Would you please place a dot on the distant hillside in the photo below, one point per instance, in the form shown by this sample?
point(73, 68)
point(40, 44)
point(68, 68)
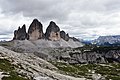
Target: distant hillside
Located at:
point(107, 40)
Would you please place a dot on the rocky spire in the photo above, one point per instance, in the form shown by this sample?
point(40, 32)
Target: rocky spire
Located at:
point(64, 36)
point(35, 30)
point(52, 32)
point(20, 34)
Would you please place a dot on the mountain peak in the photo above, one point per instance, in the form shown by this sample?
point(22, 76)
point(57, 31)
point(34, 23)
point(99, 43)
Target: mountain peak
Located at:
point(53, 32)
point(52, 23)
point(20, 34)
point(35, 20)
point(35, 32)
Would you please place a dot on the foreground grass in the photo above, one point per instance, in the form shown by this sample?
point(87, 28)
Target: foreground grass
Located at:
point(9, 69)
point(108, 71)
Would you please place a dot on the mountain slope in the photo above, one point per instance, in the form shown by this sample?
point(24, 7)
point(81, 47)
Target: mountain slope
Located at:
point(32, 66)
point(46, 44)
point(107, 40)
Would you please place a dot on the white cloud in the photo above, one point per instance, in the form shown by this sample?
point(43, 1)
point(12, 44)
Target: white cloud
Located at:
point(10, 23)
point(86, 19)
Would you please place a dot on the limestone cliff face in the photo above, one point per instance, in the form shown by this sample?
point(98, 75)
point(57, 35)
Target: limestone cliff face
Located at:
point(35, 30)
point(64, 36)
point(20, 34)
point(52, 32)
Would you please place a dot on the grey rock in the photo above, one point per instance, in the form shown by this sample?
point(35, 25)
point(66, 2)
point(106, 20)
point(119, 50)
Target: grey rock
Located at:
point(74, 39)
point(20, 34)
point(64, 36)
point(112, 56)
point(107, 40)
point(52, 32)
point(35, 30)
point(87, 57)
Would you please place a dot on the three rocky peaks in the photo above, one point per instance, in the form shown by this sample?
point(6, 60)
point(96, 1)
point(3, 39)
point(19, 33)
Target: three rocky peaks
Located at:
point(35, 32)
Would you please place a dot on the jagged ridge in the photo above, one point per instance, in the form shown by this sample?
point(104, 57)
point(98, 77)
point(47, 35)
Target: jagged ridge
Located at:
point(107, 40)
point(35, 32)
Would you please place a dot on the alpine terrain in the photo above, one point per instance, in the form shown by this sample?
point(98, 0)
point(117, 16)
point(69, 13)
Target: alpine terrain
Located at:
point(54, 55)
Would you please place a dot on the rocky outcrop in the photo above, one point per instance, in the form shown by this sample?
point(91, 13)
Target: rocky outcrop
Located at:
point(73, 56)
point(20, 34)
point(112, 56)
point(87, 57)
point(31, 66)
point(35, 30)
point(64, 36)
point(52, 32)
point(94, 57)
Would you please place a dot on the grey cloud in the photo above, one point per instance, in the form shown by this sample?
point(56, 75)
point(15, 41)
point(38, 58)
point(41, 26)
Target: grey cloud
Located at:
point(95, 5)
point(5, 33)
point(4, 38)
point(42, 9)
point(113, 5)
point(76, 17)
point(56, 9)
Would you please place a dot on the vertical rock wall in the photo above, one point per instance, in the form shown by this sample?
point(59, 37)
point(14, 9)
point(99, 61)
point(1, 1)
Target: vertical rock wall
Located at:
point(20, 34)
point(64, 36)
point(52, 32)
point(35, 30)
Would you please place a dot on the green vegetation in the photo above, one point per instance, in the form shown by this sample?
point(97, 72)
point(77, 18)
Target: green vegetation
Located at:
point(105, 48)
point(94, 48)
point(113, 77)
point(9, 69)
point(109, 71)
point(14, 76)
point(5, 65)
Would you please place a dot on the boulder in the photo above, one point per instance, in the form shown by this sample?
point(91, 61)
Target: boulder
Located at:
point(64, 36)
point(20, 34)
point(35, 30)
point(52, 32)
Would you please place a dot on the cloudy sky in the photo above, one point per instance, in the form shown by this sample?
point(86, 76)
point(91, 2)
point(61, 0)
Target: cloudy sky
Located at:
point(86, 19)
